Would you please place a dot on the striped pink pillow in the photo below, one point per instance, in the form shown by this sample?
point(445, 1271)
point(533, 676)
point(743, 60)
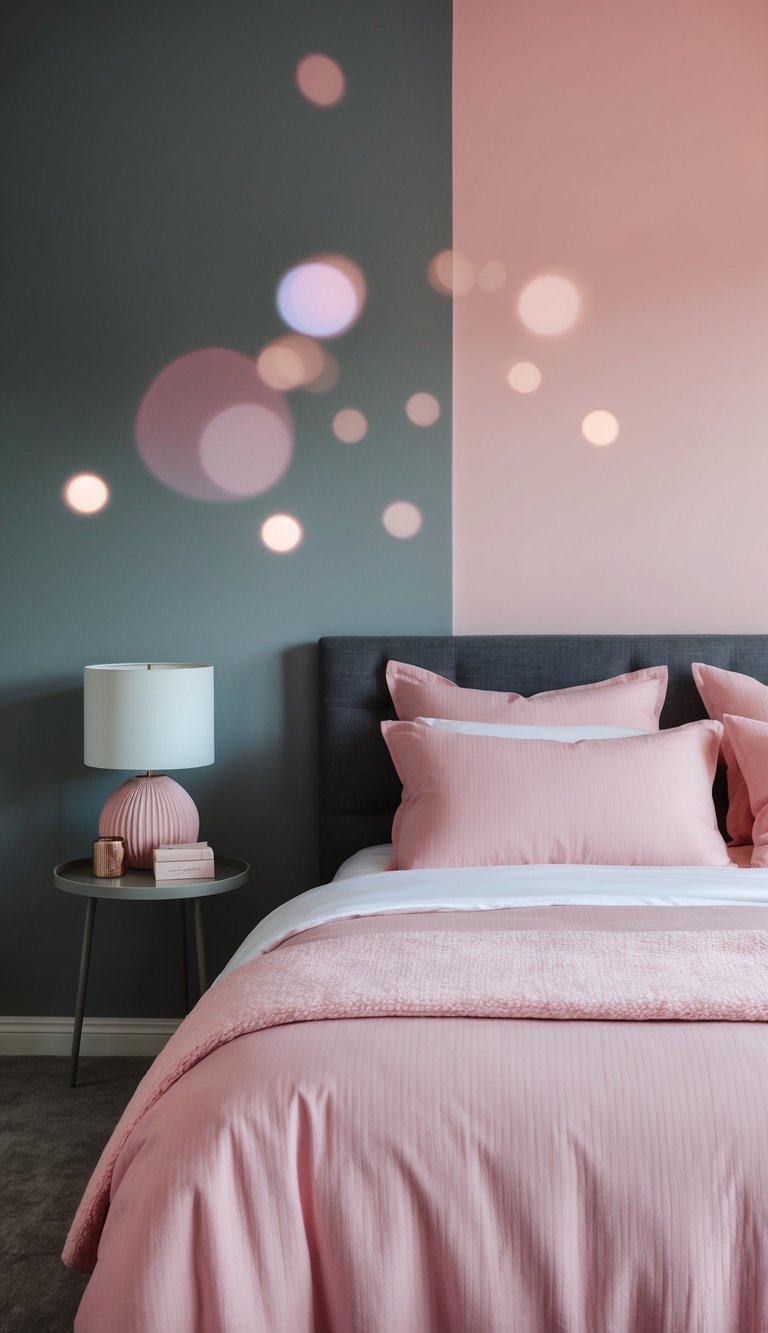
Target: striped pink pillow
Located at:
point(473, 800)
point(731, 692)
point(748, 742)
point(634, 700)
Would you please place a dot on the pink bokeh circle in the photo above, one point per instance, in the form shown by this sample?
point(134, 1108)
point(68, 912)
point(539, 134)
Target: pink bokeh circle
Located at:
point(292, 362)
point(350, 425)
point(524, 377)
point(423, 409)
point(185, 398)
point(402, 519)
point(246, 449)
point(321, 80)
point(281, 367)
point(451, 273)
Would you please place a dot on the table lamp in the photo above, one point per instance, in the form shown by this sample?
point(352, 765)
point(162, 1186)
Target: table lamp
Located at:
point(148, 715)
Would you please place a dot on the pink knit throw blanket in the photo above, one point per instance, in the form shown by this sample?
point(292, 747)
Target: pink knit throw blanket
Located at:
point(580, 974)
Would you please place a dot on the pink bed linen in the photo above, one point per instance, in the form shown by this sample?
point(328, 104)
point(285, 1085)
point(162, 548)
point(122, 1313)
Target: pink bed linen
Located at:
point(474, 800)
point(442, 1175)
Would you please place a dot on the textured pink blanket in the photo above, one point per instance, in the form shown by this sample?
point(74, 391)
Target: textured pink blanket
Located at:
point(710, 975)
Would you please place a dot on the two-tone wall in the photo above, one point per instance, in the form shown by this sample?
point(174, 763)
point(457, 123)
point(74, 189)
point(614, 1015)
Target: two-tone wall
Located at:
point(166, 171)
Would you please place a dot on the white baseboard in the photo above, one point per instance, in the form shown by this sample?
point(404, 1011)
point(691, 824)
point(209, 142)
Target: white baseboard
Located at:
point(101, 1036)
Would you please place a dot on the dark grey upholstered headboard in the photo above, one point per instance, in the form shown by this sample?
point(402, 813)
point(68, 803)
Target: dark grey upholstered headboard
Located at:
point(359, 790)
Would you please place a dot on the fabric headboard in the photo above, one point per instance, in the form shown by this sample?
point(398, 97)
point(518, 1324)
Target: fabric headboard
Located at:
point(359, 790)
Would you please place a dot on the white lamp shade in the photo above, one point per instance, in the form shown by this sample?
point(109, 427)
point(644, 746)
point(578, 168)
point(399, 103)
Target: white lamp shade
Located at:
point(141, 715)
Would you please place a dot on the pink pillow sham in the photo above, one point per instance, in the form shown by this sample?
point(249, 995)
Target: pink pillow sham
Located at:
point(730, 692)
point(473, 800)
point(634, 700)
point(748, 742)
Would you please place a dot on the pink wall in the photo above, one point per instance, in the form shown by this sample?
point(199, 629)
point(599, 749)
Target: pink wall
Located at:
point(624, 146)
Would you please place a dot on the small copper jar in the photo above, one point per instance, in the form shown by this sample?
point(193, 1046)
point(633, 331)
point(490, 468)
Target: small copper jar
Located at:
point(108, 857)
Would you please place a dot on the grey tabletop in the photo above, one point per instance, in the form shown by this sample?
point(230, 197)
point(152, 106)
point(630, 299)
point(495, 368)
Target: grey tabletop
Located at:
point(78, 877)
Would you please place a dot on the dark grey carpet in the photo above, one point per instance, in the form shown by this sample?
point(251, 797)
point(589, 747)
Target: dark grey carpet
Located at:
point(51, 1136)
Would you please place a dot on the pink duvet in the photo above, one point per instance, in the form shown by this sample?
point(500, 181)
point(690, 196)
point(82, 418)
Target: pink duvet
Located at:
point(518, 1121)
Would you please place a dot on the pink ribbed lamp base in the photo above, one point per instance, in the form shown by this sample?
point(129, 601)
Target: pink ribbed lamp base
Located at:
point(148, 811)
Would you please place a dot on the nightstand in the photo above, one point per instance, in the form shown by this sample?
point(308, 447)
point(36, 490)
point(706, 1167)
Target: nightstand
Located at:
point(139, 886)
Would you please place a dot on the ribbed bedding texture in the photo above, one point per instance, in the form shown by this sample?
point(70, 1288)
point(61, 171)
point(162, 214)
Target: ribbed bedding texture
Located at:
point(447, 1174)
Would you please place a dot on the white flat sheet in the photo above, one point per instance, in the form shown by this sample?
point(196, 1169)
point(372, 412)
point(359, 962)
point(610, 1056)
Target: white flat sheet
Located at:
point(372, 891)
point(366, 862)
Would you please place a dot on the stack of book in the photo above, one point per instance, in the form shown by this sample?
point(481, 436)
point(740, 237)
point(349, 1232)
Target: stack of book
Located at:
point(187, 860)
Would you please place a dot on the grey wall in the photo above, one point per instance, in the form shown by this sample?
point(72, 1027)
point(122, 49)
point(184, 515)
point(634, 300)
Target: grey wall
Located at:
point(160, 173)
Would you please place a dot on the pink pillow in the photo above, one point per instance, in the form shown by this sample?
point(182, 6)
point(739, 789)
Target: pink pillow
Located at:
point(748, 740)
point(634, 700)
point(473, 800)
point(729, 692)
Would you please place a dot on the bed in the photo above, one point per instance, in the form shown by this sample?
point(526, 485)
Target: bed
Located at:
point(520, 1098)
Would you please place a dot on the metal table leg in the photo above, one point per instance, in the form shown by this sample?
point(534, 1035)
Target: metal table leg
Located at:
point(184, 964)
point(200, 946)
point(82, 983)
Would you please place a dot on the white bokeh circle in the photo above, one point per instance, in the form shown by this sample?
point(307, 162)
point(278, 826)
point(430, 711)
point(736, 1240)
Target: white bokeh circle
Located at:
point(549, 304)
point(281, 533)
point(86, 493)
point(600, 427)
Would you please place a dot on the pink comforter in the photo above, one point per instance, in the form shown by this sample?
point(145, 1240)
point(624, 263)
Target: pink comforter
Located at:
point(479, 1171)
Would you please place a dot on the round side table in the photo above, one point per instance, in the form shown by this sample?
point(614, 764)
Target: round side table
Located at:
point(139, 886)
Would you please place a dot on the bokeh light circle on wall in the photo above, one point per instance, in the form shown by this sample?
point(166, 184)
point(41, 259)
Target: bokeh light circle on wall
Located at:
point(350, 425)
point(246, 449)
point(280, 367)
point(423, 409)
point(323, 296)
point(549, 304)
point(281, 532)
point(328, 377)
point(491, 276)
point(524, 377)
point(183, 400)
point(600, 427)
point(451, 274)
point(321, 79)
point(402, 519)
point(86, 493)
point(291, 362)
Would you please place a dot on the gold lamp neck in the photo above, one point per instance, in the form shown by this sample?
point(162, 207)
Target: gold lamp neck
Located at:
point(149, 770)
